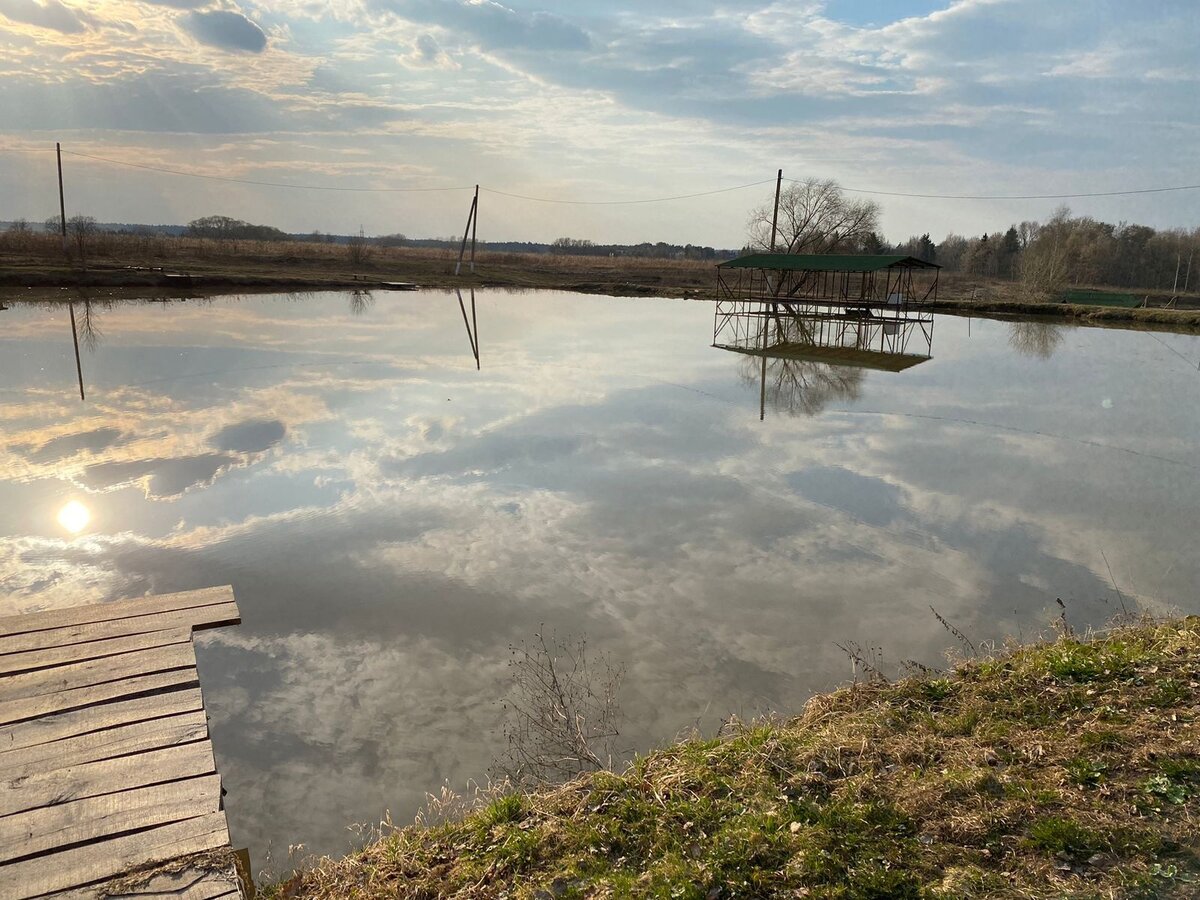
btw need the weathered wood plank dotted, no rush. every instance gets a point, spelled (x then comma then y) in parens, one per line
(90, 719)
(190, 884)
(38, 830)
(31, 660)
(45, 682)
(94, 862)
(107, 776)
(106, 612)
(197, 618)
(215, 887)
(111, 742)
(12, 711)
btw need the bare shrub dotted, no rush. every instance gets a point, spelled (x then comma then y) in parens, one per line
(562, 712)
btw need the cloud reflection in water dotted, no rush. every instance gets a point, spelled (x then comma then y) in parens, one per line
(392, 519)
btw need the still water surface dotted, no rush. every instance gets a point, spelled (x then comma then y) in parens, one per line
(393, 519)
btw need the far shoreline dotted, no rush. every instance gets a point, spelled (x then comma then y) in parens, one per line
(48, 284)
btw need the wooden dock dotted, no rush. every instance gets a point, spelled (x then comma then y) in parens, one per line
(106, 767)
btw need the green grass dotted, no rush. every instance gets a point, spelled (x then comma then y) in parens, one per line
(1062, 769)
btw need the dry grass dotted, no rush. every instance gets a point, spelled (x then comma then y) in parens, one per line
(36, 258)
(1062, 769)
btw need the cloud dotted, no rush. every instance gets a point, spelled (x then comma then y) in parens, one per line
(50, 14)
(493, 25)
(252, 436)
(167, 477)
(227, 30)
(66, 445)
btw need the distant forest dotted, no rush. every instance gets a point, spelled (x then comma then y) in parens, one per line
(1080, 250)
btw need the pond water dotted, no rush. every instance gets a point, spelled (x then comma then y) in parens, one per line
(393, 519)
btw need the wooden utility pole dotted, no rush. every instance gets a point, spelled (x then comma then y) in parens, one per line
(474, 224)
(468, 231)
(775, 215)
(62, 205)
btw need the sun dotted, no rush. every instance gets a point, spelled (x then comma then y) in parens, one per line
(74, 517)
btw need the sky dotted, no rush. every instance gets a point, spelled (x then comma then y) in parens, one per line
(591, 101)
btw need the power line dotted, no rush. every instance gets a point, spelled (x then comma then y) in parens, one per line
(280, 184)
(1160, 190)
(740, 187)
(571, 202)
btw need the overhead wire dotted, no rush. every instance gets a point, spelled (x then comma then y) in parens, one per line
(279, 184)
(588, 202)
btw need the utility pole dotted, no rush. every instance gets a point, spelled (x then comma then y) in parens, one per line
(775, 215)
(468, 232)
(474, 224)
(62, 206)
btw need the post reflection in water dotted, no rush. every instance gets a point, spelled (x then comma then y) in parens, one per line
(806, 355)
(472, 324)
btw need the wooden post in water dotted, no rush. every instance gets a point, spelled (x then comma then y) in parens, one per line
(62, 212)
(466, 233)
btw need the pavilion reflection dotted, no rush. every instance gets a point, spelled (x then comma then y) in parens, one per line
(806, 354)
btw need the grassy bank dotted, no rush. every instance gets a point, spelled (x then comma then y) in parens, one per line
(1064, 769)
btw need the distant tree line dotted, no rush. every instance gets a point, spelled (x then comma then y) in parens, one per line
(661, 250)
(815, 216)
(224, 228)
(1071, 250)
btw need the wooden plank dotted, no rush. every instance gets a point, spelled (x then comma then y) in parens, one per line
(106, 776)
(201, 617)
(104, 612)
(12, 711)
(30, 660)
(111, 742)
(95, 718)
(45, 682)
(93, 862)
(192, 884)
(38, 830)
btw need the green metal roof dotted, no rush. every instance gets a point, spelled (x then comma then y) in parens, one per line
(825, 262)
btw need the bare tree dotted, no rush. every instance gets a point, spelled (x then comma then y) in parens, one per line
(358, 250)
(1045, 264)
(81, 230)
(562, 713)
(815, 217)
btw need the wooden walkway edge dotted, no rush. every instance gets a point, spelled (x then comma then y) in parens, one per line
(105, 760)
